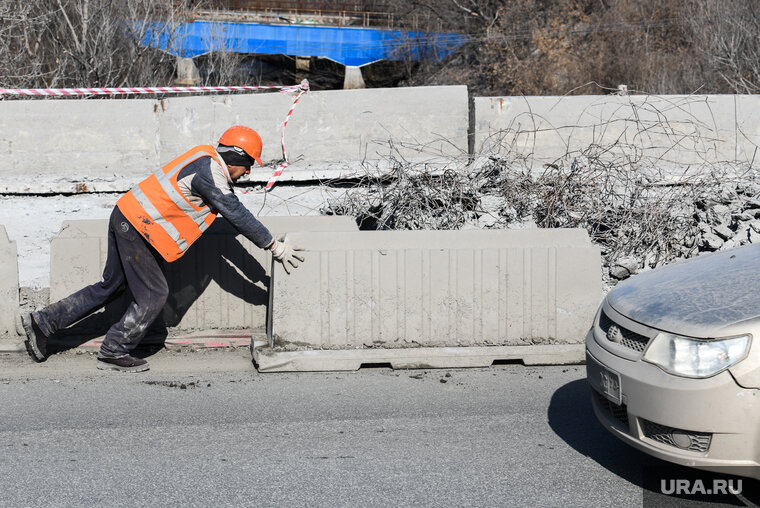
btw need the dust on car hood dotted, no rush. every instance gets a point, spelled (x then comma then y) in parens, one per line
(701, 297)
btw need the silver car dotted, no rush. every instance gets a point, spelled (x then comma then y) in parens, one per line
(673, 361)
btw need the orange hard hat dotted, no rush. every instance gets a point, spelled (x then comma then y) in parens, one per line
(244, 138)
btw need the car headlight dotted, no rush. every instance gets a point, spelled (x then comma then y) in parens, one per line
(688, 357)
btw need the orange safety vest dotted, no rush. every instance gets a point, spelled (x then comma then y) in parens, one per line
(163, 215)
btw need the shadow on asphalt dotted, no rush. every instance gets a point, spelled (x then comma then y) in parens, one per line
(572, 418)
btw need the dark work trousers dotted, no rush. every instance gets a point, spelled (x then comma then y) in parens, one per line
(131, 262)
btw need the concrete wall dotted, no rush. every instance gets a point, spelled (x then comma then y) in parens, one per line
(666, 130)
(438, 288)
(221, 283)
(109, 145)
(75, 145)
(9, 295)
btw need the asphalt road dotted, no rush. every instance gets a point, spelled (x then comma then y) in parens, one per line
(204, 428)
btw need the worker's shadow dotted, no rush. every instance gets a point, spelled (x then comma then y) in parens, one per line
(217, 256)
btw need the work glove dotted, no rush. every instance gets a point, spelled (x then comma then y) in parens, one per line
(286, 254)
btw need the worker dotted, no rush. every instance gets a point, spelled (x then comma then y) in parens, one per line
(157, 220)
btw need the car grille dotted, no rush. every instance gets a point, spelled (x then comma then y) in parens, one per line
(619, 413)
(683, 439)
(629, 339)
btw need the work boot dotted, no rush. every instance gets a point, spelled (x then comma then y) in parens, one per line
(124, 363)
(36, 341)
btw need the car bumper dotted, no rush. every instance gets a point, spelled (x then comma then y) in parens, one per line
(711, 424)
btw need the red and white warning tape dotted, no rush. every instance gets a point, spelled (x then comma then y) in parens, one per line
(58, 92)
(277, 172)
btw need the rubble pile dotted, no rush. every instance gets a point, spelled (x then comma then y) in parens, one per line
(639, 219)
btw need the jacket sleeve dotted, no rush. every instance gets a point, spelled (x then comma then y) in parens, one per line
(226, 203)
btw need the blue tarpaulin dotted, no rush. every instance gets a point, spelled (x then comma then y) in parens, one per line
(348, 46)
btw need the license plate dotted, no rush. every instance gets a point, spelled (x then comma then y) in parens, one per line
(604, 380)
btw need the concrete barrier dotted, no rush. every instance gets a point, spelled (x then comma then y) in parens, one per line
(220, 284)
(109, 145)
(328, 128)
(442, 289)
(9, 295)
(76, 145)
(669, 130)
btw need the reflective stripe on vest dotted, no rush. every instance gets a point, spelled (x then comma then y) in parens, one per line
(160, 212)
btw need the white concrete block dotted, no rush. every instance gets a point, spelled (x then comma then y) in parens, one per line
(76, 145)
(667, 130)
(77, 256)
(9, 295)
(329, 129)
(110, 145)
(437, 288)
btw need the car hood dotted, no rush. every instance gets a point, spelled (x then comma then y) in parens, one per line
(702, 297)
